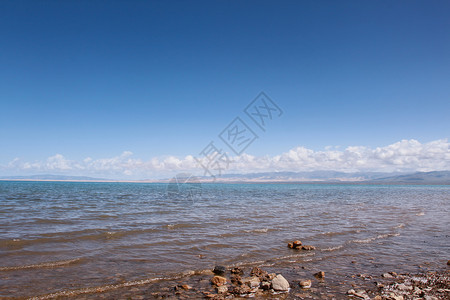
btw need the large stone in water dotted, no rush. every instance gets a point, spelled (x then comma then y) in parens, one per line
(297, 243)
(279, 283)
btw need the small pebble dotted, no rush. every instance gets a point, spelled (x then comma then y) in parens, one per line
(305, 284)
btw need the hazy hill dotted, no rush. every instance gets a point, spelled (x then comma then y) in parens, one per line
(52, 177)
(435, 177)
(307, 176)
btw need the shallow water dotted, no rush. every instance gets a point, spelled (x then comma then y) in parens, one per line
(62, 236)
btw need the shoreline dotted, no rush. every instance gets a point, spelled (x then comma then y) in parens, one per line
(287, 279)
(256, 283)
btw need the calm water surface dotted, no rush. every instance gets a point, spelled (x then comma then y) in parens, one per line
(57, 236)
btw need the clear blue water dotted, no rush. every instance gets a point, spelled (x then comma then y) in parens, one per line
(63, 236)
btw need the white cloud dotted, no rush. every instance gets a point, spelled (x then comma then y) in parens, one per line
(405, 155)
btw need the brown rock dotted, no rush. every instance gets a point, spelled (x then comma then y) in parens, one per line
(308, 247)
(291, 245)
(305, 284)
(261, 274)
(297, 243)
(320, 275)
(218, 280)
(448, 263)
(236, 279)
(237, 271)
(240, 290)
(186, 287)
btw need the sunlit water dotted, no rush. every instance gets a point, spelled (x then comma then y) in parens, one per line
(57, 236)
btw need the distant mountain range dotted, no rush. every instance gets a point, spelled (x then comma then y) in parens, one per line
(436, 177)
(50, 177)
(307, 176)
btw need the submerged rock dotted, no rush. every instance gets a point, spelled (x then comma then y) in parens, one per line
(360, 294)
(237, 271)
(279, 283)
(308, 247)
(219, 270)
(295, 244)
(305, 284)
(320, 275)
(204, 272)
(186, 287)
(208, 295)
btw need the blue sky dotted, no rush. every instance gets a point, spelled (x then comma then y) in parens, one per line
(92, 79)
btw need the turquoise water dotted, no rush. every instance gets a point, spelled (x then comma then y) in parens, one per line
(64, 236)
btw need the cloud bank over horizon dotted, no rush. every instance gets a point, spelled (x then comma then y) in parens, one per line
(403, 156)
